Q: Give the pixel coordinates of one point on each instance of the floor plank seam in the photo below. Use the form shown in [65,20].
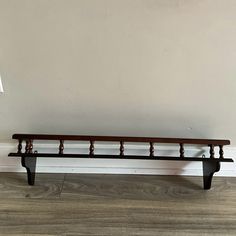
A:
[62,186]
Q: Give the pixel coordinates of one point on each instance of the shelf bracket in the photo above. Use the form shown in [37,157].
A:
[209,168]
[30,164]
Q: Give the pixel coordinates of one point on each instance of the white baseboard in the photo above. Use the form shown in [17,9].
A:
[118,166]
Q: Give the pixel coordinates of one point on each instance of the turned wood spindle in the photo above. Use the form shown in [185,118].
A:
[221,151]
[91,148]
[212,152]
[151,149]
[122,149]
[19,146]
[30,146]
[27,146]
[181,150]
[61,147]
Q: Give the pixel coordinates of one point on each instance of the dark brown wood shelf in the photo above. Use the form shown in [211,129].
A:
[210,164]
[121,138]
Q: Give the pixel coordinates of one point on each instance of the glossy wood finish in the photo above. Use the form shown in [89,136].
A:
[19,148]
[119,205]
[30,146]
[61,147]
[181,150]
[102,156]
[122,148]
[212,152]
[27,146]
[152,150]
[121,138]
[208,169]
[221,152]
[91,148]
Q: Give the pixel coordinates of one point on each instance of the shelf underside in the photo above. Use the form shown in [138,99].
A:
[170,158]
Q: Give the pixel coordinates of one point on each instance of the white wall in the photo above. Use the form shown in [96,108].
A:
[118,67]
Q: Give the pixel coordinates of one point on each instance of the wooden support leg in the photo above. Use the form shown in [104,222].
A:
[30,164]
[209,168]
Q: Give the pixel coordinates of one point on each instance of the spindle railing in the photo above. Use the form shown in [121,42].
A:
[210,164]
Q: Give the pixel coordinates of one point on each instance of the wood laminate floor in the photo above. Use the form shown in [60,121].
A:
[82,204]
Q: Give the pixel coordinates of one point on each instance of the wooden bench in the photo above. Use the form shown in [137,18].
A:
[210,164]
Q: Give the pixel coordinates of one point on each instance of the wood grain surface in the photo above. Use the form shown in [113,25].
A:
[81,204]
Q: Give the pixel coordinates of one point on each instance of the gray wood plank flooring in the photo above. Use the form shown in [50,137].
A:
[85,204]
